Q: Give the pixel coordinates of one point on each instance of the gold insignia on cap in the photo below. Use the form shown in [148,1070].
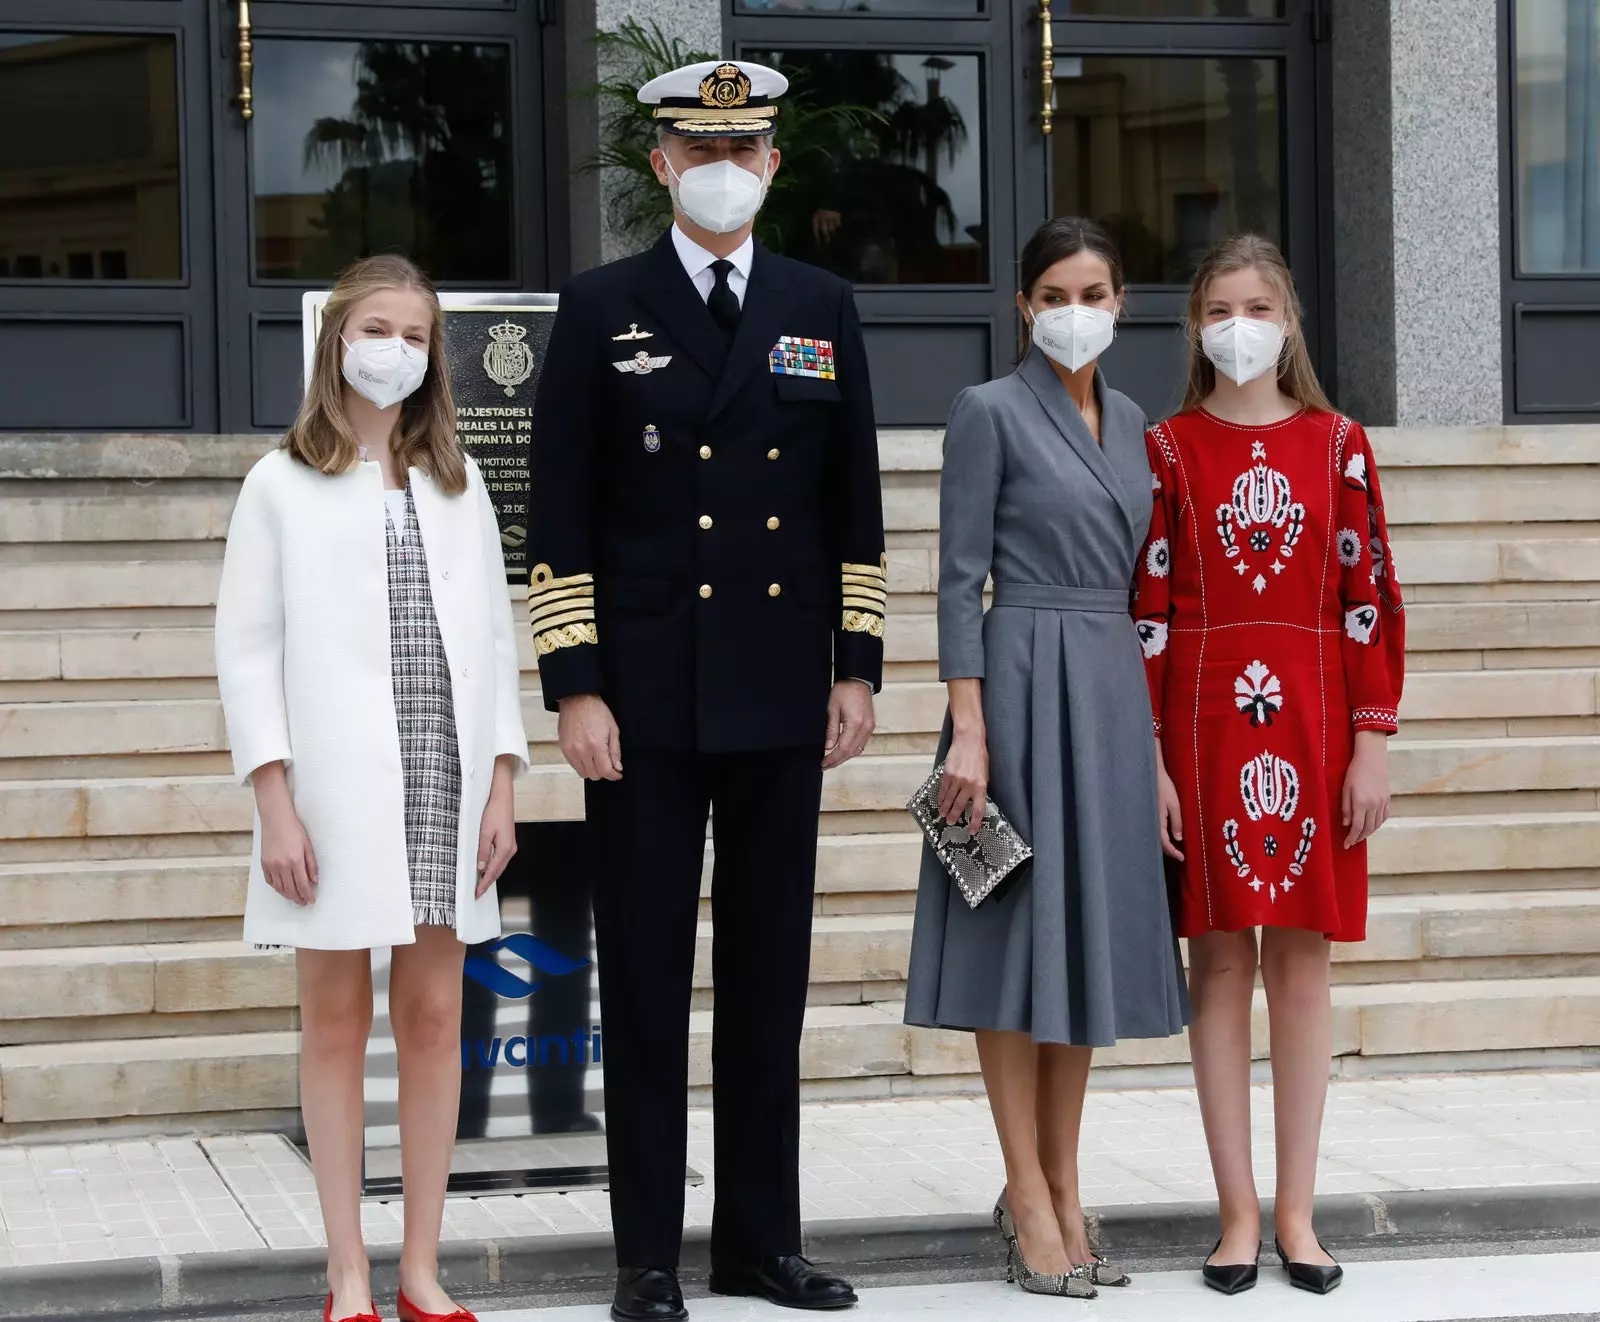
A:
[724,87]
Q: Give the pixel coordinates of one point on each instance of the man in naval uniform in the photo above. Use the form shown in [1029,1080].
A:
[707,594]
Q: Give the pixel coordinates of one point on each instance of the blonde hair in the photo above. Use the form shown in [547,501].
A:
[1250,252]
[322,437]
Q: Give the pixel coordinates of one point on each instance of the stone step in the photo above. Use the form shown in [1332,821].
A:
[1447,1018]
[1490,560]
[1525,843]
[52,809]
[121,891]
[176,978]
[157,1077]
[142,726]
[165,1077]
[86,903]
[1475,626]
[847,949]
[161,651]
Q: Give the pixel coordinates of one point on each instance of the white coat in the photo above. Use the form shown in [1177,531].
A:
[302,640]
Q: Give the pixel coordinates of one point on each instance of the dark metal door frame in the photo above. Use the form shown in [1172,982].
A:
[247,304]
[986,35]
[1007,38]
[1305,163]
[189,302]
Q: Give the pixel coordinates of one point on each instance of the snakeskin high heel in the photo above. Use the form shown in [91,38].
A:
[1075,1284]
[1097,1271]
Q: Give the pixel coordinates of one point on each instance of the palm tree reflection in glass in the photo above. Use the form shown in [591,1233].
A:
[859,191]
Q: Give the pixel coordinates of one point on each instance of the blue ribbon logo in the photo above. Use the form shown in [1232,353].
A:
[486,972]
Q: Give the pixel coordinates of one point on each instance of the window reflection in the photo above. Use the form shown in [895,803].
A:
[89,174]
[1558,135]
[1170,153]
[382,146]
[896,198]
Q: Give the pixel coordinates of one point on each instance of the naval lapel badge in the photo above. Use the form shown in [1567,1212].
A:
[642,363]
[633,333]
[652,437]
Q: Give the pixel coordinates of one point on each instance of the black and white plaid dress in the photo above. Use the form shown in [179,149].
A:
[430,760]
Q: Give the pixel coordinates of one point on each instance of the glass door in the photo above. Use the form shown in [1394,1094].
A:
[106,295]
[369,127]
[1176,123]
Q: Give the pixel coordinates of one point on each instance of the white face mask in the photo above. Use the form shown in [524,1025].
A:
[719,197]
[1243,348]
[1074,335]
[384,371]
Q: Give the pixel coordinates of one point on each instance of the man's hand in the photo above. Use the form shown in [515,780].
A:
[850,722]
[589,740]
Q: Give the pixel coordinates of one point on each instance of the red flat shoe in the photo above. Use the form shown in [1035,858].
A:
[409,1312]
[327,1314]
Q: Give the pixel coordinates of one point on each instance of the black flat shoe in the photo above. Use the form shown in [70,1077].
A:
[648,1294]
[1310,1276]
[1230,1277]
[788,1281]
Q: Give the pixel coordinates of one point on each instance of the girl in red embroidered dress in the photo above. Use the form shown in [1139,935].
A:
[1274,645]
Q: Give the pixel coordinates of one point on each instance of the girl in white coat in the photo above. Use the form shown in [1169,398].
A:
[370,680]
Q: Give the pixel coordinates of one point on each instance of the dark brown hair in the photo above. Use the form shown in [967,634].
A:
[322,437]
[1297,378]
[1060,238]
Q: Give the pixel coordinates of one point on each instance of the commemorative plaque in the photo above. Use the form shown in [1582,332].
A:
[495,345]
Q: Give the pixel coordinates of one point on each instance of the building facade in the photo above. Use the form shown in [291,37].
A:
[176,172]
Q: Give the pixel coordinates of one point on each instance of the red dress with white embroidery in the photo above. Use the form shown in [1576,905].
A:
[1272,629]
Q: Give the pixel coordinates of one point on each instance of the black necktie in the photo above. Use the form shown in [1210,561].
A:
[724,303]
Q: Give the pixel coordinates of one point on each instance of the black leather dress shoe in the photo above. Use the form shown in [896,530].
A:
[1230,1277]
[1309,1275]
[789,1281]
[648,1294]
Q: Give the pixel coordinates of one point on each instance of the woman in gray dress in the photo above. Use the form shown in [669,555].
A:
[1046,487]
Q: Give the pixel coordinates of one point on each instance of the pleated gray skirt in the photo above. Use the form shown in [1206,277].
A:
[1079,948]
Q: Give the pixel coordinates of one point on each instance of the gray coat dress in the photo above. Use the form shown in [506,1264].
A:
[1079,948]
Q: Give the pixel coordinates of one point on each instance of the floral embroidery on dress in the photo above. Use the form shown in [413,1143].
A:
[1361,623]
[1355,472]
[1152,636]
[1349,546]
[1258,694]
[1270,787]
[1158,559]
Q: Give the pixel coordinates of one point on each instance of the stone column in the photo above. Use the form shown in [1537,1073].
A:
[698,24]
[1417,210]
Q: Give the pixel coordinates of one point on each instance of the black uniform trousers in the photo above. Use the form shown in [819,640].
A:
[647,836]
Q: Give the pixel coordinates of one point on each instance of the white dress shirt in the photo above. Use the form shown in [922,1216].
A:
[697,262]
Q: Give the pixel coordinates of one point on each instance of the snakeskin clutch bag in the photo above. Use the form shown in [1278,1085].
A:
[977,861]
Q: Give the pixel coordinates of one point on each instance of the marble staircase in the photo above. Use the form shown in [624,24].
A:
[128,1004]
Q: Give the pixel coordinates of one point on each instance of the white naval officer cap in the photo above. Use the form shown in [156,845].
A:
[716,99]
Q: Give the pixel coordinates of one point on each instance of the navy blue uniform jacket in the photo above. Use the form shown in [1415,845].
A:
[705,538]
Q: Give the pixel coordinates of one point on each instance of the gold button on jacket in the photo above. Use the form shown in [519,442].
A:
[705,452]
[774,590]
[772,523]
[772,454]
[705,520]
[705,589]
